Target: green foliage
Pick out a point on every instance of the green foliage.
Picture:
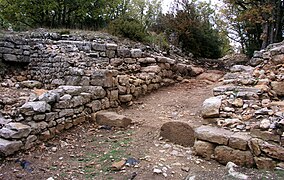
(192, 24)
(159, 40)
(256, 24)
(129, 28)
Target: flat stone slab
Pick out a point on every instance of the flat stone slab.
(178, 132)
(213, 134)
(112, 119)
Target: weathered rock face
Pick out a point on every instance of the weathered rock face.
(178, 132)
(204, 149)
(112, 119)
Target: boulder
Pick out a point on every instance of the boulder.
(112, 119)
(210, 107)
(178, 132)
(9, 147)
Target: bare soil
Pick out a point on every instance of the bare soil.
(88, 151)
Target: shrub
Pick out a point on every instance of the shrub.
(129, 28)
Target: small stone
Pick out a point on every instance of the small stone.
(186, 169)
(54, 149)
(265, 124)
(117, 166)
(157, 171)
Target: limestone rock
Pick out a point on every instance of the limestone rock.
(241, 68)
(15, 131)
(196, 71)
(178, 132)
(211, 107)
(136, 53)
(49, 97)
(278, 87)
(125, 98)
(239, 140)
(112, 119)
(224, 154)
(213, 77)
(264, 163)
(37, 106)
(9, 147)
(278, 59)
(272, 150)
(154, 69)
(213, 134)
(204, 149)
(31, 84)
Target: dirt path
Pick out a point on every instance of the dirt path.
(87, 152)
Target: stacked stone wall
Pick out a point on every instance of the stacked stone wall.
(83, 77)
(247, 114)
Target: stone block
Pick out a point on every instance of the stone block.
(79, 120)
(96, 105)
(224, 154)
(213, 134)
(204, 149)
(31, 84)
(10, 57)
(254, 146)
(37, 106)
(154, 69)
(125, 98)
(272, 150)
(211, 107)
(147, 60)
(9, 147)
(265, 135)
(102, 78)
(98, 47)
(65, 113)
(97, 92)
(15, 131)
(278, 87)
(265, 163)
(239, 140)
(112, 119)
(136, 53)
(111, 46)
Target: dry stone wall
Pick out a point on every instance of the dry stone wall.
(82, 77)
(247, 114)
